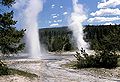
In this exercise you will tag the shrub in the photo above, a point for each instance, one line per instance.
(108, 59)
(3, 68)
(102, 59)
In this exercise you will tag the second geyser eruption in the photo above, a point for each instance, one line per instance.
(77, 18)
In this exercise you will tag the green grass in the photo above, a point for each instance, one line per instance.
(22, 73)
(4, 70)
(70, 64)
(10, 71)
(118, 62)
(103, 72)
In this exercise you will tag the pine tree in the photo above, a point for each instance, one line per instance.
(7, 3)
(10, 37)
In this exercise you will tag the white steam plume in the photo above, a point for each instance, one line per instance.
(34, 7)
(30, 10)
(77, 17)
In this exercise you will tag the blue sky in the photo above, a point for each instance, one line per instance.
(97, 11)
(61, 10)
(57, 12)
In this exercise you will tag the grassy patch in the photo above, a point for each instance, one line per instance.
(10, 71)
(70, 65)
(119, 62)
(102, 72)
(4, 70)
(22, 73)
(73, 64)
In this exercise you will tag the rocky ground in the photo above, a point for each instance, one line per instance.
(50, 70)
(17, 78)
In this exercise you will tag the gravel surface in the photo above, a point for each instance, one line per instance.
(50, 70)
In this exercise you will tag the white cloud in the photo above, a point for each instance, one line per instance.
(107, 11)
(55, 16)
(53, 6)
(61, 7)
(103, 19)
(54, 21)
(56, 24)
(65, 13)
(109, 23)
(106, 8)
(50, 21)
(59, 20)
(109, 3)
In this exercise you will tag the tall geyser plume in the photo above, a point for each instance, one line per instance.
(30, 11)
(76, 19)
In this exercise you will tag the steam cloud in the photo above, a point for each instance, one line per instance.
(77, 17)
(34, 7)
(30, 14)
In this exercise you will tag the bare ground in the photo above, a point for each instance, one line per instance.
(50, 70)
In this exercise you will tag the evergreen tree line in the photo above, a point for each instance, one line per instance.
(103, 36)
(99, 36)
(56, 39)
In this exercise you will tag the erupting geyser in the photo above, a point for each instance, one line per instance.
(29, 11)
(32, 37)
(77, 17)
